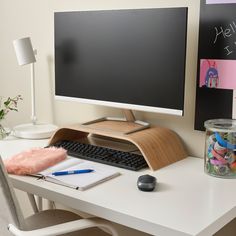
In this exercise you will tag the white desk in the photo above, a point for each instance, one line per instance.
(186, 202)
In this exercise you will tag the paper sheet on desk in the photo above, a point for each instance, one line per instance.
(84, 181)
(69, 162)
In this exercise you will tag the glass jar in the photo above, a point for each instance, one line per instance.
(220, 148)
(4, 132)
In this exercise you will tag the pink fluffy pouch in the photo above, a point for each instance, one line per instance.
(34, 160)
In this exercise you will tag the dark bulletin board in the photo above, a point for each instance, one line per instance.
(217, 40)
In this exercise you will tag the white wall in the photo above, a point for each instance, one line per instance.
(34, 18)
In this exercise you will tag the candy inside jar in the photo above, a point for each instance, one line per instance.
(220, 148)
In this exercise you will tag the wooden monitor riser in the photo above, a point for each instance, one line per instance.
(159, 146)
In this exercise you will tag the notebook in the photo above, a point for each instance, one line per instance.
(101, 173)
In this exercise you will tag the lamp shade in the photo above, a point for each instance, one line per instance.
(24, 51)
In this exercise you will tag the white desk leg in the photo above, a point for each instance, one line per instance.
(33, 203)
(39, 203)
(51, 204)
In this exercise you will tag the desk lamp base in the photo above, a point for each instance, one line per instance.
(34, 131)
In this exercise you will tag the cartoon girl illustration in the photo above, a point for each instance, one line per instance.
(212, 77)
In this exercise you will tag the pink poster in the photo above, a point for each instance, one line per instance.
(219, 1)
(219, 74)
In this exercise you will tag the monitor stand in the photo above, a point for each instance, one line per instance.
(127, 125)
(159, 146)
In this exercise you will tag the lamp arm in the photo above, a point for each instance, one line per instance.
(33, 113)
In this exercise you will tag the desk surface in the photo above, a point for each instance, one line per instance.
(186, 201)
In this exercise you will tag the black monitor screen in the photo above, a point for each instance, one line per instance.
(125, 57)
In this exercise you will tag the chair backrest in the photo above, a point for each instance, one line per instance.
(10, 211)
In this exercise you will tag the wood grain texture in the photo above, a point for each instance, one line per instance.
(67, 134)
(159, 146)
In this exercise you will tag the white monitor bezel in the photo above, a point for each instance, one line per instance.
(122, 105)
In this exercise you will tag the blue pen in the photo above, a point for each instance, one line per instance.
(72, 172)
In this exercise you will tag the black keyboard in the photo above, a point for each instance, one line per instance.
(103, 155)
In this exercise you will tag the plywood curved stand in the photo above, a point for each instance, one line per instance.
(159, 146)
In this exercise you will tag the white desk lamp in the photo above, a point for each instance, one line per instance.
(25, 55)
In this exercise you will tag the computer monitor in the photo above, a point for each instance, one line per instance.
(130, 59)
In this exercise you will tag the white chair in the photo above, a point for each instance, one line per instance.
(44, 223)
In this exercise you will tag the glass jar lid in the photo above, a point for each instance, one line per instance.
(221, 125)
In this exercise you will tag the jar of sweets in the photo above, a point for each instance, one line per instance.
(220, 148)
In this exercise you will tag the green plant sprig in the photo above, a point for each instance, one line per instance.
(9, 105)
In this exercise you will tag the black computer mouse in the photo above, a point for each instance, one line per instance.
(146, 183)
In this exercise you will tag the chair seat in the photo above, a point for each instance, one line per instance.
(49, 222)
(57, 216)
